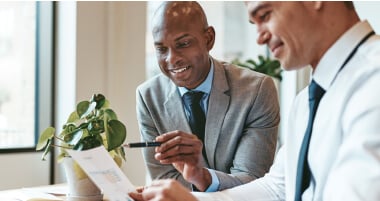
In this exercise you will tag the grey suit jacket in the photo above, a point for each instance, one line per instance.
(241, 123)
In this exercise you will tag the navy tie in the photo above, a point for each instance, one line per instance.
(303, 169)
(197, 119)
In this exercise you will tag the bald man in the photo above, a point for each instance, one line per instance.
(240, 108)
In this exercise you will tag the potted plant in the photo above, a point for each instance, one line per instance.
(264, 65)
(92, 124)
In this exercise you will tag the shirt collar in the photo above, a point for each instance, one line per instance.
(333, 59)
(205, 86)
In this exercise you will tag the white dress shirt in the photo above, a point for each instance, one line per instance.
(344, 151)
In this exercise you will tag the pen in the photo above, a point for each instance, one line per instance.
(142, 144)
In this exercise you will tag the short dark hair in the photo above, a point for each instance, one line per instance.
(349, 4)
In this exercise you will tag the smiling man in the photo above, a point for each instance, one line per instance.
(331, 151)
(224, 139)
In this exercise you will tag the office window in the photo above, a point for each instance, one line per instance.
(25, 78)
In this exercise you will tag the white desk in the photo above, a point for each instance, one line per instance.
(49, 193)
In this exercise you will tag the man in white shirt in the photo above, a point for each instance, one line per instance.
(343, 155)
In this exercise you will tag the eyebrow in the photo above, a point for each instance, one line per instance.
(183, 36)
(257, 9)
(177, 39)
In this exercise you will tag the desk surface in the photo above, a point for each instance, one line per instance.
(40, 193)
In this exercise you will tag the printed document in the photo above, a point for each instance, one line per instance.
(104, 172)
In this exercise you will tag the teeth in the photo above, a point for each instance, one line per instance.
(180, 70)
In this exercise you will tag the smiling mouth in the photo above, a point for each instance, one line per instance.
(275, 45)
(180, 70)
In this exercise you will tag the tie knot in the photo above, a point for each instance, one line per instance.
(191, 97)
(315, 91)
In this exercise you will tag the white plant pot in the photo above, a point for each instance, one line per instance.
(80, 186)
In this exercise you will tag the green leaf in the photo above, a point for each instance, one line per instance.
(264, 65)
(96, 127)
(47, 149)
(82, 107)
(88, 142)
(99, 99)
(83, 125)
(73, 138)
(116, 134)
(110, 114)
(85, 133)
(46, 135)
(73, 117)
(250, 61)
(68, 129)
(106, 104)
(261, 59)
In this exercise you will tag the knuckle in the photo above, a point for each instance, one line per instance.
(177, 148)
(177, 132)
(178, 139)
(165, 192)
(171, 183)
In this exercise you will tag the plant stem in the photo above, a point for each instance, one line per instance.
(54, 145)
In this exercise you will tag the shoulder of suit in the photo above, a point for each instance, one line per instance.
(157, 82)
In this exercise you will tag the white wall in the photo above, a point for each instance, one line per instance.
(369, 10)
(23, 170)
(108, 58)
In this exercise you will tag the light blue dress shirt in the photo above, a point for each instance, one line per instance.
(204, 87)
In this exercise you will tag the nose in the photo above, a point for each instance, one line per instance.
(263, 37)
(173, 56)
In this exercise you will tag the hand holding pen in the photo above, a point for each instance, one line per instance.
(142, 144)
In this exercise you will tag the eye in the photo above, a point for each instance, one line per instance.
(264, 17)
(182, 44)
(161, 49)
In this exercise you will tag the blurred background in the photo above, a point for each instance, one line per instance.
(54, 54)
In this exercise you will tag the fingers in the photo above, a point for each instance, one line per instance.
(137, 196)
(178, 146)
(169, 190)
(140, 189)
(174, 137)
(178, 153)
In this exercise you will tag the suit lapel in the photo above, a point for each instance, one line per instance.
(219, 99)
(216, 112)
(174, 110)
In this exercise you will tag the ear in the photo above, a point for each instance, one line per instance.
(210, 37)
(313, 5)
(318, 5)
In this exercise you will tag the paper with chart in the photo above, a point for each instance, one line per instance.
(104, 172)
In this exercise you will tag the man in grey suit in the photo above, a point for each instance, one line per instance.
(241, 108)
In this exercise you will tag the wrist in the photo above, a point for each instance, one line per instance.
(203, 180)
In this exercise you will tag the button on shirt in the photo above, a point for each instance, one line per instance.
(344, 151)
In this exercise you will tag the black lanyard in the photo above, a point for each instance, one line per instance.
(354, 51)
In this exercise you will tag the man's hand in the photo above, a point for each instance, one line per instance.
(137, 196)
(184, 152)
(168, 190)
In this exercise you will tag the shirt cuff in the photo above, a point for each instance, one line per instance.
(214, 182)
